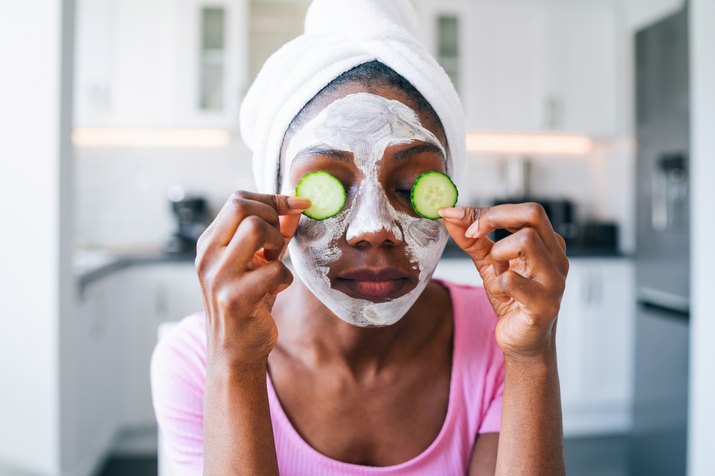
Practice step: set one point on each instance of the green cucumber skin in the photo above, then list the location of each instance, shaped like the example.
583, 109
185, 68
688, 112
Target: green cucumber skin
417, 181
320, 173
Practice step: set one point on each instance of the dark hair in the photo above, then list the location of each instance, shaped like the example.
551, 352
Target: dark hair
370, 74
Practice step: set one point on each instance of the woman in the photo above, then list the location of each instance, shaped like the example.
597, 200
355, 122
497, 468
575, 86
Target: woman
364, 365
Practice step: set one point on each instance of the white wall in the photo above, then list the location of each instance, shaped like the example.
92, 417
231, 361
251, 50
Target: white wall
35, 126
701, 458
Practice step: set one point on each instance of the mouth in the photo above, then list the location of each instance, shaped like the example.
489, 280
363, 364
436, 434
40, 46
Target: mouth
372, 284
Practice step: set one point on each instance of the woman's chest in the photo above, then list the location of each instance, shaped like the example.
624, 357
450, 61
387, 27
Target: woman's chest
380, 423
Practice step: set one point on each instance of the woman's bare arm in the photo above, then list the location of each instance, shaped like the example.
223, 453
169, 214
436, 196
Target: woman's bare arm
531, 438
239, 266
238, 436
524, 275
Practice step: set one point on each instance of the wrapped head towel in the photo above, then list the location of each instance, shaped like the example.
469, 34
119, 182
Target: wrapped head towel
339, 35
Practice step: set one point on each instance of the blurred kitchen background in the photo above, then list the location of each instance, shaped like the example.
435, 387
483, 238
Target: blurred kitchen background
121, 142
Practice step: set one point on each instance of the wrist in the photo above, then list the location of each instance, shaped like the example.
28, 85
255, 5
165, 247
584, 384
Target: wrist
225, 368
543, 361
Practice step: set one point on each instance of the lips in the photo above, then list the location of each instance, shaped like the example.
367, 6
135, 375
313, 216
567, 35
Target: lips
372, 283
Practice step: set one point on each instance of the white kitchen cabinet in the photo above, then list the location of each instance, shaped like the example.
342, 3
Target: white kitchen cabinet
531, 66
92, 362
160, 63
595, 341
158, 293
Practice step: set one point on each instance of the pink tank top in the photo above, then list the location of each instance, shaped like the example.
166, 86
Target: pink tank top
178, 373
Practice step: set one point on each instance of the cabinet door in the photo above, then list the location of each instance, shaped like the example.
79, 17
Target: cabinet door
580, 69
595, 346
159, 293
92, 361
569, 332
608, 331
212, 40
161, 63
532, 66
504, 62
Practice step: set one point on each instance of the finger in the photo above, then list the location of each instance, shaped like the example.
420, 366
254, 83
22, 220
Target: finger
532, 295
283, 204
516, 216
526, 244
252, 234
561, 241
269, 279
477, 249
288, 227
242, 204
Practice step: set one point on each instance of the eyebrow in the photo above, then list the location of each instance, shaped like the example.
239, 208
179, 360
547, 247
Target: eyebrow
418, 148
341, 155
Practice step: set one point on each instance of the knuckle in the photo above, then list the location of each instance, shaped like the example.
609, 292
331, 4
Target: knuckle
279, 270
226, 300
238, 196
253, 224
507, 279
472, 213
277, 201
535, 211
200, 264
527, 237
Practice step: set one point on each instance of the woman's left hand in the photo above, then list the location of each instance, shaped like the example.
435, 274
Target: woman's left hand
524, 274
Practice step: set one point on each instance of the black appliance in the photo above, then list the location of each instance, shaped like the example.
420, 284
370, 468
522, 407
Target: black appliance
659, 440
561, 213
191, 214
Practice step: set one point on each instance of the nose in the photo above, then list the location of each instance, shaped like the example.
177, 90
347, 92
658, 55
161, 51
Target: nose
374, 222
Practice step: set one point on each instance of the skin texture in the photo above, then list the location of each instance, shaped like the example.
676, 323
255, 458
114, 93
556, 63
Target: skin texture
331, 375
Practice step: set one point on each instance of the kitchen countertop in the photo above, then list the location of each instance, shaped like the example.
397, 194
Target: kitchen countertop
93, 264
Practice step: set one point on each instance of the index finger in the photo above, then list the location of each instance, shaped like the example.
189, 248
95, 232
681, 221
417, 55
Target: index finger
243, 203
516, 216
283, 204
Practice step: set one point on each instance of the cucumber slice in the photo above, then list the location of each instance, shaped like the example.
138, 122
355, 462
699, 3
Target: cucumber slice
432, 191
326, 193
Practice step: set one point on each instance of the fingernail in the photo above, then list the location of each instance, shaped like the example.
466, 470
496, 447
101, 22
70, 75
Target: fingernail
472, 231
298, 202
457, 213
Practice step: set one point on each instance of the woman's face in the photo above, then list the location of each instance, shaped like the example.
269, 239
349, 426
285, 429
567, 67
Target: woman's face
369, 263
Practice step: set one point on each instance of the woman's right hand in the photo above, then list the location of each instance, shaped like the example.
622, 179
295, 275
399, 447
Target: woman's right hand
240, 269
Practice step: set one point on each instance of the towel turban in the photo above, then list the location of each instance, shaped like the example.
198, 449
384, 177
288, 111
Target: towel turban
339, 35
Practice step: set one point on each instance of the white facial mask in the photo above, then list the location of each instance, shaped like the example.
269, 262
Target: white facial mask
364, 124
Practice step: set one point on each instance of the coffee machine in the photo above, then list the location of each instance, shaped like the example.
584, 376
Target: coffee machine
191, 215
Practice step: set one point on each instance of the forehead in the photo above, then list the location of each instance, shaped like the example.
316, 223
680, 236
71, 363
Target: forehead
363, 123
362, 110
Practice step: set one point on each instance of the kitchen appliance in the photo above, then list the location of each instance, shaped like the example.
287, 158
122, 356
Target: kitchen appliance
561, 213
658, 443
191, 214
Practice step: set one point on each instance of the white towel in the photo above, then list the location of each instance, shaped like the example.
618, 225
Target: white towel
339, 35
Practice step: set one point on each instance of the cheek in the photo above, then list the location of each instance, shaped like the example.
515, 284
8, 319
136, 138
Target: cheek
309, 230
424, 232
319, 240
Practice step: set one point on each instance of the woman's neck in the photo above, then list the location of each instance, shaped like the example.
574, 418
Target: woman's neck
312, 334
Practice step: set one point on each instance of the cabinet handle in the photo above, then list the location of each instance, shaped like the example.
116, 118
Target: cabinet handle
161, 302
553, 116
